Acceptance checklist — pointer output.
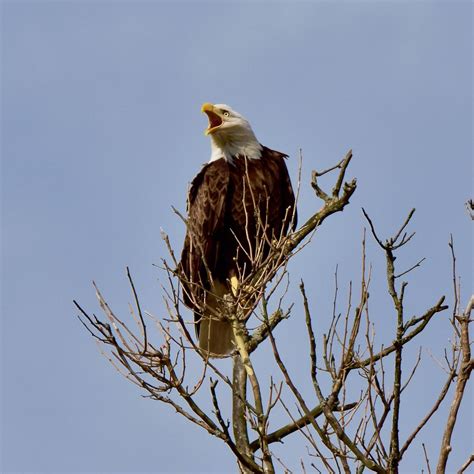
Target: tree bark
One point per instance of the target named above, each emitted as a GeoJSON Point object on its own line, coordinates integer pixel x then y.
{"type": "Point", "coordinates": [239, 423]}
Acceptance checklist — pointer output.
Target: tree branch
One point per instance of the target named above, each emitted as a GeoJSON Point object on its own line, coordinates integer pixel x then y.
{"type": "Point", "coordinates": [463, 376]}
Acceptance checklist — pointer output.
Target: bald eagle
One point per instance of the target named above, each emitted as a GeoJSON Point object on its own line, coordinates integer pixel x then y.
{"type": "Point", "coordinates": [239, 202]}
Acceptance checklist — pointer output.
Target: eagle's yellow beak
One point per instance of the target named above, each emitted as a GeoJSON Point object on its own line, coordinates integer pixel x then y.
{"type": "Point", "coordinates": [214, 116]}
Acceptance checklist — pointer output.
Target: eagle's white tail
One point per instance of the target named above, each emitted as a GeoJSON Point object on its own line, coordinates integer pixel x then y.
{"type": "Point", "coordinates": [215, 334]}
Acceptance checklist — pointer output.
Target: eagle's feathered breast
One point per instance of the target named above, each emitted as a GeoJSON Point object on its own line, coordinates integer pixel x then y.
{"type": "Point", "coordinates": [232, 206]}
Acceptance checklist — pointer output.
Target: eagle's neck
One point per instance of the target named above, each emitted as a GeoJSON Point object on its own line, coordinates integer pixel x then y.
{"type": "Point", "coordinates": [241, 142]}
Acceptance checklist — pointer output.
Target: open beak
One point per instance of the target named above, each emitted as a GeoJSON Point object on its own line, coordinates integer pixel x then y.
{"type": "Point", "coordinates": [215, 119]}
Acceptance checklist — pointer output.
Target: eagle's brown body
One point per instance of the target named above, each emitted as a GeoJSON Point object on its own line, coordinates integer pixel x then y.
{"type": "Point", "coordinates": [224, 202]}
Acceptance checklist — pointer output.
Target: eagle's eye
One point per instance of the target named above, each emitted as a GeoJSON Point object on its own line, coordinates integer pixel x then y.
{"type": "Point", "coordinates": [225, 113]}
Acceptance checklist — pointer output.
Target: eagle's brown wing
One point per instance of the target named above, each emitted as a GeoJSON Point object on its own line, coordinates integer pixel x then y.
{"type": "Point", "coordinates": [206, 210]}
{"type": "Point", "coordinates": [288, 212]}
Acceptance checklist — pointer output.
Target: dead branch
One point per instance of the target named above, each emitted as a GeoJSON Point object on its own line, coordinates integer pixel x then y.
{"type": "Point", "coordinates": [462, 377]}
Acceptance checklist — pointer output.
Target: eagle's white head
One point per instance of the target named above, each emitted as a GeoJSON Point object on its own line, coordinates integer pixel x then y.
{"type": "Point", "coordinates": [231, 133]}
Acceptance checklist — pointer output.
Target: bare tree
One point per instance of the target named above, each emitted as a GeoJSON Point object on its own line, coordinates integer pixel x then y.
{"type": "Point", "coordinates": [359, 384]}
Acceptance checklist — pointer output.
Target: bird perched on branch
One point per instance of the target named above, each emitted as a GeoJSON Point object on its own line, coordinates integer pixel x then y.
{"type": "Point", "coordinates": [238, 204]}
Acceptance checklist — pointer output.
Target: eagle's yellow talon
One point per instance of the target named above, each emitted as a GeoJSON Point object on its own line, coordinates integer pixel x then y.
{"type": "Point", "coordinates": [234, 284]}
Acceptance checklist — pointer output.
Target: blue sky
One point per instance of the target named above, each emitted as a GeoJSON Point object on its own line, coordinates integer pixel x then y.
{"type": "Point", "coordinates": [101, 132]}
